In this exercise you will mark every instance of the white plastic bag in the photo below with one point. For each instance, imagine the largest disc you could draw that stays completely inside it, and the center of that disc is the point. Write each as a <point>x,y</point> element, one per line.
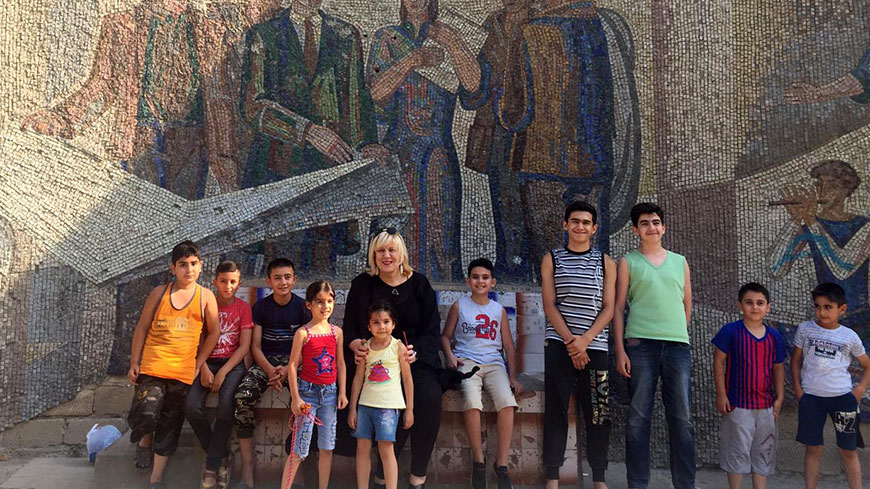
<point>99,438</point>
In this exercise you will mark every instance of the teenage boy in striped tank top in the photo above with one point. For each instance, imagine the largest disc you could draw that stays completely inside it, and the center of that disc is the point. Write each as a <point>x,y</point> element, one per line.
<point>578,284</point>
<point>164,361</point>
<point>475,335</point>
<point>654,344</point>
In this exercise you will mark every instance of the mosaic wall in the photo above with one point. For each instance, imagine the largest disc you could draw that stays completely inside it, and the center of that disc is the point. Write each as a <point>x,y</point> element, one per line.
<point>128,126</point>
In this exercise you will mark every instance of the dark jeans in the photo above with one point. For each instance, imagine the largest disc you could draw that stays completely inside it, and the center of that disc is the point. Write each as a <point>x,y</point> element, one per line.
<point>214,440</point>
<point>672,361</point>
<point>561,379</point>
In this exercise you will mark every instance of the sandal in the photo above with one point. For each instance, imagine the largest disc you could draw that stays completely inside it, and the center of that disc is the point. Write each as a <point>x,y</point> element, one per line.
<point>157,485</point>
<point>206,476</point>
<point>223,474</point>
<point>143,457</point>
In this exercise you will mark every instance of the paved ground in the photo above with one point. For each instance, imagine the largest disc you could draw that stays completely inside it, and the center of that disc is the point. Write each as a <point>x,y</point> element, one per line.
<point>77,473</point>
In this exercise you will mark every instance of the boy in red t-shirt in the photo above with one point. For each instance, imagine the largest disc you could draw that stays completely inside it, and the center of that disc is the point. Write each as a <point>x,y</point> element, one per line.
<point>226,367</point>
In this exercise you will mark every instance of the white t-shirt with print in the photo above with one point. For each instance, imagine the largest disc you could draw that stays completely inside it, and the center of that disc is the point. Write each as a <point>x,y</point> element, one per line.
<point>827,354</point>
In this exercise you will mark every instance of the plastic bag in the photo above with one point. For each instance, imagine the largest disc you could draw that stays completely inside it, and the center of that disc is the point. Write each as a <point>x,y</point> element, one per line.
<point>100,438</point>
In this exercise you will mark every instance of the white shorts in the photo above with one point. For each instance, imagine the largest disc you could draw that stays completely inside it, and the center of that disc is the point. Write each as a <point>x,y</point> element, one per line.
<point>747,442</point>
<point>493,378</point>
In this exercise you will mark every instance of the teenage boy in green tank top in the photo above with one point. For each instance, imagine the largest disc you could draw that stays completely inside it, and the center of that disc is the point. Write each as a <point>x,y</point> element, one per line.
<point>653,344</point>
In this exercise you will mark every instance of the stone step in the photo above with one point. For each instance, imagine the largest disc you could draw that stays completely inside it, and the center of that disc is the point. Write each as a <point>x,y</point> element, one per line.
<point>114,467</point>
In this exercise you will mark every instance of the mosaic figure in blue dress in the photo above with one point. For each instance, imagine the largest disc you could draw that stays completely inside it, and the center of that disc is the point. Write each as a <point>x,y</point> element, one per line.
<point>415,115</point>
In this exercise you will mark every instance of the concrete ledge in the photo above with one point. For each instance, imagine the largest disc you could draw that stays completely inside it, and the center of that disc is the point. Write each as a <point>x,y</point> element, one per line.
<point>35,433</point>
<point>77,429</point>
<point>114,468</point>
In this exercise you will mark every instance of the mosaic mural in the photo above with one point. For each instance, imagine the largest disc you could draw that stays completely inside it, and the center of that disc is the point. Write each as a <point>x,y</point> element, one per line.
<point>263,129</point>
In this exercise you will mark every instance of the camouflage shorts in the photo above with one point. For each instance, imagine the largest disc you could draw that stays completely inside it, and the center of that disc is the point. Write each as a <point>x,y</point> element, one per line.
<point>158,409</point>
<point>250,390</point>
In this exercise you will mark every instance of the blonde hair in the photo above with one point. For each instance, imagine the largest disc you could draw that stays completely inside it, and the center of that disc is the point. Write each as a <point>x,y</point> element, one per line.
<point>383,239</point>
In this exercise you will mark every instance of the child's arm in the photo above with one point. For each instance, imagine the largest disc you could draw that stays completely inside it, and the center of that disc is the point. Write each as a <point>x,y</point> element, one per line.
<point>213,328</point>
<point>606,314</point>
<point>235,358</point>
<point>408,384</point>
<point>257,350</point>
<point>296,402</point>
<point>687,295</point>
<point>778,387</point>
<point>623,278</point>
<point>723,405</point>
<point>142,326</point>
<point>355,390</point>
<point>447,336</point>
<point>340,369</point>
<point>862,386</point>
<point>510,353</point>
<point>797,354</point>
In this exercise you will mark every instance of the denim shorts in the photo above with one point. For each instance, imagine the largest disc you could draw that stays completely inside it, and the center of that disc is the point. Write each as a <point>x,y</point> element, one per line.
<point>378,424</point>
<point>324,405</point>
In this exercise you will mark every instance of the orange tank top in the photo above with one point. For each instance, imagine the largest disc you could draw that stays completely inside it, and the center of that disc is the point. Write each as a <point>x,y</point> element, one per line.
<point>172,341</point>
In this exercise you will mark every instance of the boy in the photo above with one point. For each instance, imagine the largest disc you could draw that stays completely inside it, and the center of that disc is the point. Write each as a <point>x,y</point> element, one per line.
<point>276,319</point>
<point>823,350</point>
<point>482,334</point>
<point>655,283</point>
<point>224,370</point>
<point>578,285</point>
<point>751,395</point>
<point>164,361</point>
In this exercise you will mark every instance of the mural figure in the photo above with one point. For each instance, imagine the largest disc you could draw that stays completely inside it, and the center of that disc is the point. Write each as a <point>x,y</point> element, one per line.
<point>577,117</point>
<point>304,95</point>
<point>837,241</point>
<point>155,66</point>
<point>416,116</point>
<point>493,150</point>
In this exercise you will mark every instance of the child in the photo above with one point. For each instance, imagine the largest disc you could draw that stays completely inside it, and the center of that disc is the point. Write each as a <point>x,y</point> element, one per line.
<point>276,318</point>
<point>655,282</point>
<point>750,397</point>
<point>164,359</point>
<point>225,369</point>
<point>318,347</point>
<point>376,397</point>
<point>478,342</point>
<point>823,350</point>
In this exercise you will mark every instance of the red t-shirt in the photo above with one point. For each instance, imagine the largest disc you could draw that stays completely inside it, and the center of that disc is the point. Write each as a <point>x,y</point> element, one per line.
<point>233,318</point>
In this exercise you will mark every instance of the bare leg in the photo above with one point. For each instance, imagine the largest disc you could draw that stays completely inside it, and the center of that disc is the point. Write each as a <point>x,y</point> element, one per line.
<point>735,481</point>
<point>160,462</point>
<point>853,468</point>
<point>812,465</point>
<point>291,466</point>
<point>505,425</point>
<point>759,481</point>
<point>472,427</point>
<point>324,465</point>
<point>552,484</point>
<point>363,462</point>
<point>246,449</point>
<point>414,480</point>
<point>145,441</point>
<point>391,467</point>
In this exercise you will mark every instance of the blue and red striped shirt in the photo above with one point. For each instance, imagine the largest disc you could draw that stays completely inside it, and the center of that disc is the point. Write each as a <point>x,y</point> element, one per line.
<point>749,368</point>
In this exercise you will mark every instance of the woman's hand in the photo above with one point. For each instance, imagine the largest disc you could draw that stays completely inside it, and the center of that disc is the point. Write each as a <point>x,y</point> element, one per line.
<point>360,349</point>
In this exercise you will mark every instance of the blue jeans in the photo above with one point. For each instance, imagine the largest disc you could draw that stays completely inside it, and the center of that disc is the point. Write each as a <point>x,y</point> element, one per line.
<point>324,405</point>
<point>672,361</point>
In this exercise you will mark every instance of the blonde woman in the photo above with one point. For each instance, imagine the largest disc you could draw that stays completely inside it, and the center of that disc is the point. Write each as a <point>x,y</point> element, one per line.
<point>391,279</point>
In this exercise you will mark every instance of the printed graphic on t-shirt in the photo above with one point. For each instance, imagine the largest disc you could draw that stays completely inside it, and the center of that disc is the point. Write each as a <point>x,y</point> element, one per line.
<point>844,421</point>
<point>378,374</point>
<point>324,362</point>
<point>825,348</point>
<point>485,328</point>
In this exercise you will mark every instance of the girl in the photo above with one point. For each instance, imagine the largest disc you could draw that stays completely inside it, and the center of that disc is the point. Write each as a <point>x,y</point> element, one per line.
<point>377,392</point>
<point>318,347</point>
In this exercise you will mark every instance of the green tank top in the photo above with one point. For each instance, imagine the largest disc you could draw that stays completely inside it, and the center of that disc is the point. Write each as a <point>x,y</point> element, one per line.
<point>655,298</point>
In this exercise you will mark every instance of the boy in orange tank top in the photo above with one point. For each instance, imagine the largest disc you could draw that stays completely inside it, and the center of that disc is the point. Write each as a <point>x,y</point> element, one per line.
<point>164,361</point>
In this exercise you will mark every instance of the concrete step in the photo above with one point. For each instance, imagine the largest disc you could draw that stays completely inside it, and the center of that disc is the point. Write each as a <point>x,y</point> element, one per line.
<point>114,467</point>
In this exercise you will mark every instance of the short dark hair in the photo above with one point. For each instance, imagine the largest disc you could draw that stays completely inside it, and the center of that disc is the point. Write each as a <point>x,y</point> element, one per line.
<point>279,263</point>
<point>581,206</point>
<point>185,249</point>
<point>317,287</point>
<point>840,170</point>
<point>227,267</point>
<point>753,287</point>
<point>381,306</point>
<point>480,262</point>
<point>830,291</point>
<point>646,208</point>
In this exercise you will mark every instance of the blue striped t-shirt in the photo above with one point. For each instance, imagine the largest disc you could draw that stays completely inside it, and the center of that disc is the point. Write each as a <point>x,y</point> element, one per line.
<point>749,368</point>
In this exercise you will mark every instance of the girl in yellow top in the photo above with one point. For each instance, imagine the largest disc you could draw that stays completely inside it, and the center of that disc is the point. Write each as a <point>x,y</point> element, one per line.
<point>376,397</point>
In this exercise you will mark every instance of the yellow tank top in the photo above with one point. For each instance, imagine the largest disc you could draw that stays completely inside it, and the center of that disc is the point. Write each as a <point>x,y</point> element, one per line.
<point>172,341</point>
<point>382,387</point>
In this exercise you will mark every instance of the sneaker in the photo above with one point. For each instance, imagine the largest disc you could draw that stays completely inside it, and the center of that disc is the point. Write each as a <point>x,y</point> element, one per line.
<point>501,474</point>
<point>478,475</point>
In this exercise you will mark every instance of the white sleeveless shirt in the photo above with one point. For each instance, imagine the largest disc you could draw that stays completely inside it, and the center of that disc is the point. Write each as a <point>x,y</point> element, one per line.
<point>478,332</point>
